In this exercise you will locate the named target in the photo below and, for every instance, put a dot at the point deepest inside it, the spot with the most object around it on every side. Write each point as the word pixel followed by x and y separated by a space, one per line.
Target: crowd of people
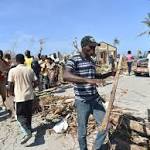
pixel 20 77
pixel 46 68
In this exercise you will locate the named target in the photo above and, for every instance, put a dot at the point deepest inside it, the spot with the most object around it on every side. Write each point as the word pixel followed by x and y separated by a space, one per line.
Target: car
pixel 141 67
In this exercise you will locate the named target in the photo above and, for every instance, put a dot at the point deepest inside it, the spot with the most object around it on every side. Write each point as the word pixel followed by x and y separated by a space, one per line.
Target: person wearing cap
pixel 80 69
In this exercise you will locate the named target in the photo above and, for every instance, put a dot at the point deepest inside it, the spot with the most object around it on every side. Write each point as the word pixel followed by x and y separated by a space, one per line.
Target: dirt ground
pixel 132 95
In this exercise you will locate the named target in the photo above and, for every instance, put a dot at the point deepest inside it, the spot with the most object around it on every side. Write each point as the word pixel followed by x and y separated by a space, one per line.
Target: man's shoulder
pixel 12 69
pixel 22 68
pixel 76 57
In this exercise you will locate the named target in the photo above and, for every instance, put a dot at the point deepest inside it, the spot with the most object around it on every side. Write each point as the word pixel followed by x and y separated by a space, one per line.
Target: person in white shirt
pixel 21 82
pixel 148 57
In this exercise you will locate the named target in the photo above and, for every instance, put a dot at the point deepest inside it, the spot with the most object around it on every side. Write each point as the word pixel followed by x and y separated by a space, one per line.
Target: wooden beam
pixel 104 125
pixel 112 98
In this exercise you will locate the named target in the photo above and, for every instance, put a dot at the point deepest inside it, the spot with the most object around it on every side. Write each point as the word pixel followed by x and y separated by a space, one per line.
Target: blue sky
pixel 24 22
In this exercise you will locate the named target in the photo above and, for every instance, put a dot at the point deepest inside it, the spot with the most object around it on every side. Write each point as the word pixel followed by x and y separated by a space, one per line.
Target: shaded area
pixel 40 132
pixel 129 132
pixel 4 114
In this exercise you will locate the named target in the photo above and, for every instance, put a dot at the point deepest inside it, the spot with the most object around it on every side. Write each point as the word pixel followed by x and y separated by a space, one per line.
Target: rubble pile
pixel 125 129
pixel 56 108
pixel 103 68
pixel 129 132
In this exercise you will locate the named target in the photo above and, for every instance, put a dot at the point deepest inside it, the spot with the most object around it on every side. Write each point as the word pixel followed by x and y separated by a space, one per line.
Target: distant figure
pixel 112 62
pixel 129 62
pixel 139 55
pixel 36 67
pixel 44 77
pixel 21 81
pixel 55 58
pixel 4 67
pixel 28 59
pixel 148 57
pixel 39 56
pixel 117 59
pixel 53 71
pixel 7 58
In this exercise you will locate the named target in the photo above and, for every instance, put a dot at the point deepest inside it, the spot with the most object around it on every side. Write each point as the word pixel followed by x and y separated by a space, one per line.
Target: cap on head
pixel 88 40
pixel 1 53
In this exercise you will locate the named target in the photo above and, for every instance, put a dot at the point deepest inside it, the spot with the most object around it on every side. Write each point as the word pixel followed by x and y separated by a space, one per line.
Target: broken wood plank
pixel 112 98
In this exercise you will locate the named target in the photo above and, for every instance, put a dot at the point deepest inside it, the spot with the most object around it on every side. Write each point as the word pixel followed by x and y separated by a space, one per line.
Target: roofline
pixel 108 44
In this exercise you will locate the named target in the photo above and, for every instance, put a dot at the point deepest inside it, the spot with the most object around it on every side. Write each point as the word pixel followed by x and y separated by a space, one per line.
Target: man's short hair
pixel 20 58
pixel 1 53
pixel 7 56
pixel 88 40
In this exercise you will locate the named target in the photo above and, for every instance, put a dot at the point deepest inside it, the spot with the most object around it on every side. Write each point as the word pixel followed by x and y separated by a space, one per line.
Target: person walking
pixel 80 69
pixel 23 80
pixel 129 62
pixel 148 57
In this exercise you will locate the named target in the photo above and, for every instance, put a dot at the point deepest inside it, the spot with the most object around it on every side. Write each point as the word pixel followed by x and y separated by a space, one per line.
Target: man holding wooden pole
pixel 80 70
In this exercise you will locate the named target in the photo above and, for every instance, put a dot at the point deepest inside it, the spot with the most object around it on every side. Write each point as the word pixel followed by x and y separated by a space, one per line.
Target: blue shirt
pixel 84 68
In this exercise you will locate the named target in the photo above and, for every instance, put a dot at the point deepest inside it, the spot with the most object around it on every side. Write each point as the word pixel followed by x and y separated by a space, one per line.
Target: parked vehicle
pixel 141 67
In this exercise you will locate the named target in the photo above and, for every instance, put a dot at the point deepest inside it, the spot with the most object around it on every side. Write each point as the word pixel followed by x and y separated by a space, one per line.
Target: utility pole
pixel 31 42
pixel 14 46
pixel 75 44
pixel 42 41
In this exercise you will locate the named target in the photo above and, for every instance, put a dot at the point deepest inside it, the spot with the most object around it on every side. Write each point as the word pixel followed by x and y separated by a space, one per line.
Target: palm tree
pixel 147 23
pixel 116 42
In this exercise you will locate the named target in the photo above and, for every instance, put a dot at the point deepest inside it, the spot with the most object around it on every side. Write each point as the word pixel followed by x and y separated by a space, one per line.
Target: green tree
pixel 147 23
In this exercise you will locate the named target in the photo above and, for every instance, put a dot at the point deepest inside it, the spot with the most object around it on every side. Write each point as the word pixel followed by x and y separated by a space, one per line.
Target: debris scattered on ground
pixel 126 129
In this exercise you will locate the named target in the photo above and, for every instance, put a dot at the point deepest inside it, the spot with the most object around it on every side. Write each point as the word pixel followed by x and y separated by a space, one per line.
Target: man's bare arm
pixel 103 76
pixel 69 76
pixel 11 88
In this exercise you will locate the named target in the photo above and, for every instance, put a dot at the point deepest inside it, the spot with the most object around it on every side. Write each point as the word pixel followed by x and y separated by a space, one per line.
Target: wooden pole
pixel 105 122
pixel 112 98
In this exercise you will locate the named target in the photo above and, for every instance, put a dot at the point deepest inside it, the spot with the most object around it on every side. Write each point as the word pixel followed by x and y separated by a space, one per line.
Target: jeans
pixel 24 116
pixel 129 67
pixel 84 109
pixel 24 126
